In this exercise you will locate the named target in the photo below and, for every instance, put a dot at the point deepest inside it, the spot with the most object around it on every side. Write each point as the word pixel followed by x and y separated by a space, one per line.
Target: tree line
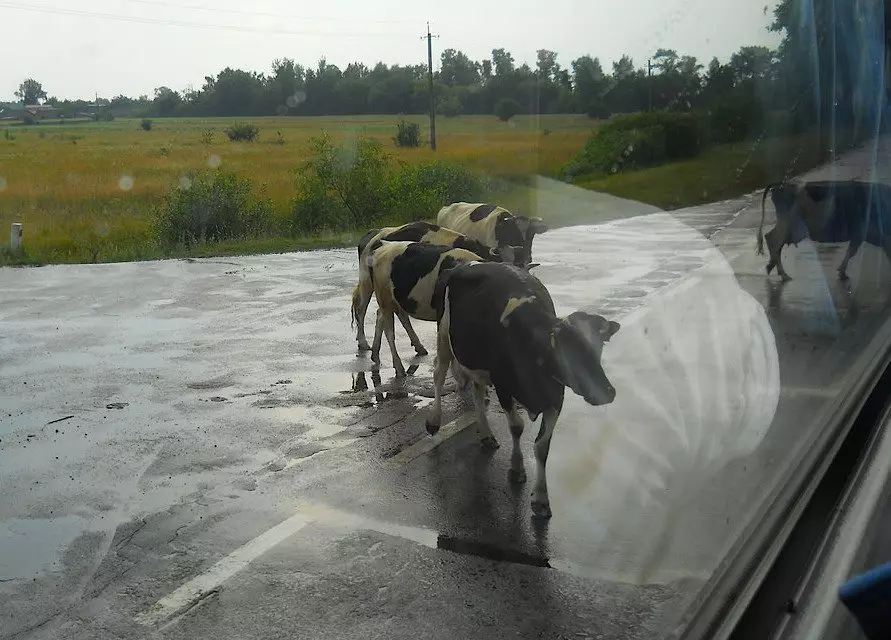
pixel 807 77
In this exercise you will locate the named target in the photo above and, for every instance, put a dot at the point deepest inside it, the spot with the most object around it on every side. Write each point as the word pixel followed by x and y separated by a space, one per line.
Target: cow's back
pixel 477 221
pixel 406 273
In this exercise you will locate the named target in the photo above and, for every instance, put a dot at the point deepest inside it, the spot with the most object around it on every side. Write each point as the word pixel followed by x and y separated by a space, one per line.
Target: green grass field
pixel 87 192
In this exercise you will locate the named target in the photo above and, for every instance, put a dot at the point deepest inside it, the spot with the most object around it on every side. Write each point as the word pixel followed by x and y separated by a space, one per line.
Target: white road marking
pixel 200 586
pixel 192 594
pixel 428 443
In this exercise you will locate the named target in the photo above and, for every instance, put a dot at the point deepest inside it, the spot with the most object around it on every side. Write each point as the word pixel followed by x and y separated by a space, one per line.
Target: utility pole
pixel 649 85
pixel 429 38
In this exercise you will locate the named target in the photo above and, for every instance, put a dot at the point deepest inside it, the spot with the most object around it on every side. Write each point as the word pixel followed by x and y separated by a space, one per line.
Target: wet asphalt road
pixel 192 449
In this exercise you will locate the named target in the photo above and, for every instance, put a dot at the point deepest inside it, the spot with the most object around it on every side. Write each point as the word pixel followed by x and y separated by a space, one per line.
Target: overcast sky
pixel 109 47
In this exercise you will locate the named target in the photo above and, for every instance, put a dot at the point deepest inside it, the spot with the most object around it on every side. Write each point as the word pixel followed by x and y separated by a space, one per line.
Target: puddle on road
pixel 30 546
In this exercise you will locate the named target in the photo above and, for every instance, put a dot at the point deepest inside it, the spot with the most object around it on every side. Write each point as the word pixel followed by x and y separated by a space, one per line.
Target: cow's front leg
pixel 487 439
pixel 517 473
pixel 444 358
pixel 853 248
pixel 541 505
pixel 390 331
pixel 410 330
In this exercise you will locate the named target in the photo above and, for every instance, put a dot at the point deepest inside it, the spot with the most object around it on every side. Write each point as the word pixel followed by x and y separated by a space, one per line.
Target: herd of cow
pixel 496 322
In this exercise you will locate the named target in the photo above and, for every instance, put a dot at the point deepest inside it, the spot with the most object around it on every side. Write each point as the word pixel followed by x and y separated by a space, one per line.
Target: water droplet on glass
pixel 214 161
pixel 615 169
pixel 102 229
pixel 2 183
pixel 282 110
pixel 125 183
pixel 185 183
pixel 297 98
pixel 73 178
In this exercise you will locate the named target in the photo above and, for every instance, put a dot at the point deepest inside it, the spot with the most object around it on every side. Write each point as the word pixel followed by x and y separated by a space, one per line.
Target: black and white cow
pixel 404 276
pixel 418 231
pixel 827 211
pixel 499 325
pixel 494 226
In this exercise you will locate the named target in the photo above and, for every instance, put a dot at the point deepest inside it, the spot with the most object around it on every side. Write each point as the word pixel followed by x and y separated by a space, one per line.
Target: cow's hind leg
pixel 410 330
pixel 444 358
pixel 517 473
pixel 487 439
pixel 775 251
pixel 390 331
pixel 541 505
pixel 853 248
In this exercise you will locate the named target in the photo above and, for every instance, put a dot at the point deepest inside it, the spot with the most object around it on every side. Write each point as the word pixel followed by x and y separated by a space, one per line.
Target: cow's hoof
pixel 541 509
pixel 489 444
pixel 363 348
pixel 421 351
pixel 400 373
pixel 517 476
pixel 844 277
pixel 786 277
pixel 432 428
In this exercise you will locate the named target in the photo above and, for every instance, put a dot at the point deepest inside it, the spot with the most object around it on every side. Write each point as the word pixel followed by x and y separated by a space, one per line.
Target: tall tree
pixel 30 92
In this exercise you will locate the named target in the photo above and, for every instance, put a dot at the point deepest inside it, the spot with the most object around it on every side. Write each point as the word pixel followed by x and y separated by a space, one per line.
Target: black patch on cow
pixel 363 242
pixel 482 212
pixel 507 233
pixel 410 266
pixel 483 251
pixel 411 232
pixel 532 356
pixel 518 356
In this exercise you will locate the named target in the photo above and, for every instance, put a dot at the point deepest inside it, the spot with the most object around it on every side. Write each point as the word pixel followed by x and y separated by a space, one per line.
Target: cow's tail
pixel 759 247
pixel 354 308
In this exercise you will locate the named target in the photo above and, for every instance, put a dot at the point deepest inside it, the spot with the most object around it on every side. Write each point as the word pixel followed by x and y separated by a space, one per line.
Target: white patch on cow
pixel 512 305
pixel 456 216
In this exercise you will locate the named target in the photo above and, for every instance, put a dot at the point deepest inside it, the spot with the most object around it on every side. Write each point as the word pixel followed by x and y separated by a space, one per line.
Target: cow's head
pixel 517 232
pixel 577 343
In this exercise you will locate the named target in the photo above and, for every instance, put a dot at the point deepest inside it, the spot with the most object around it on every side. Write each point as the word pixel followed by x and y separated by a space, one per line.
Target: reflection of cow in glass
pixel 827 211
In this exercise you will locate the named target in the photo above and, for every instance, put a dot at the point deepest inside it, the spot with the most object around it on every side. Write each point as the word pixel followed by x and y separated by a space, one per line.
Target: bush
pixel 242 132
pixel 342 188
pixel 419 191
pixel 207 136
pixel 146 124
pixel 408 134
pixel 450 106
pixel 210 207
pixel 634 141
pixel 359 187
pixel 506 108
pixel 736 117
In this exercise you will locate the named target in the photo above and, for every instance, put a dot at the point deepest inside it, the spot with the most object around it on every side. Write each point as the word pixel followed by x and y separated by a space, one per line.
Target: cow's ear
pixel 537 226
pixel 593 324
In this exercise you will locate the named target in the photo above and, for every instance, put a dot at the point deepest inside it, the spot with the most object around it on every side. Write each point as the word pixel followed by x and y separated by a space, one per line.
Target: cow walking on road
pixel 498 327
pixel 418 231
pixel 828 211
pixel 494 226
pixel 404 276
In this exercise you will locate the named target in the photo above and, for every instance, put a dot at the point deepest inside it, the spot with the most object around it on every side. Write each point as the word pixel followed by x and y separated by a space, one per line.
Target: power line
pixel 194 25
pixel 267 14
